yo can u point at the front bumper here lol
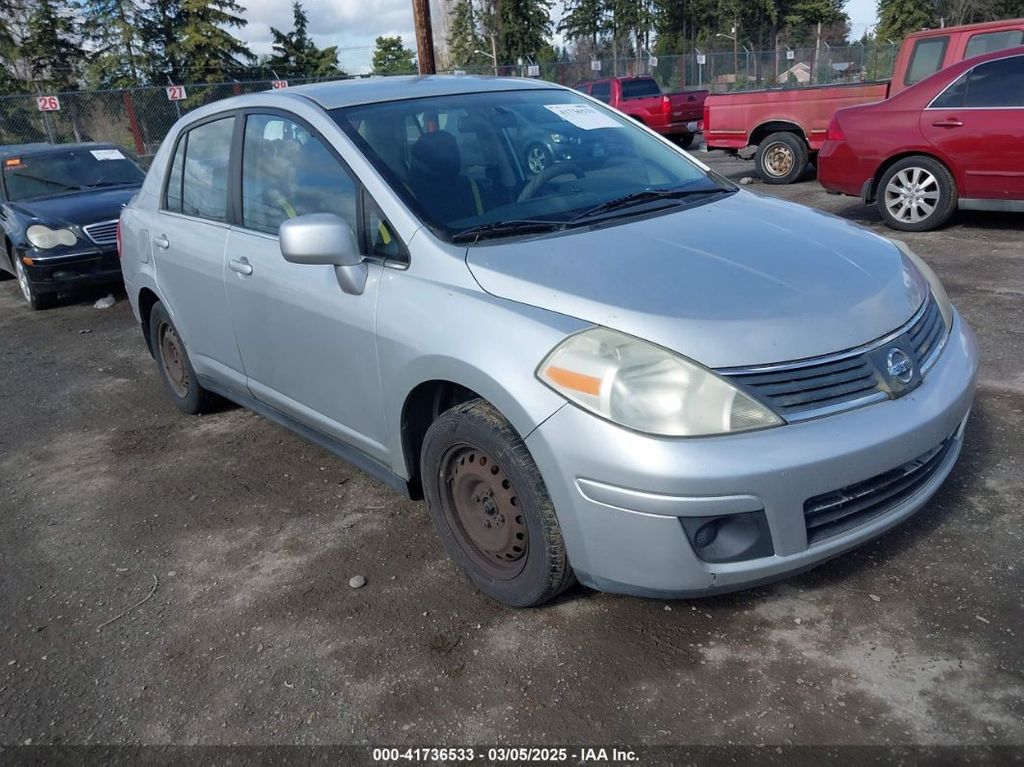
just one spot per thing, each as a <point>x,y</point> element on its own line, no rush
<point>69,271</point>
<point>620,496</point>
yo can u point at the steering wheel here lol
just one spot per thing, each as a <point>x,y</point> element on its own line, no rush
<point>548,174</point>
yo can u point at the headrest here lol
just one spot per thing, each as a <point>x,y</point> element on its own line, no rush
<point>437,154</point>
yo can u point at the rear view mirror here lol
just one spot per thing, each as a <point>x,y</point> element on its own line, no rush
<point>325,238</point>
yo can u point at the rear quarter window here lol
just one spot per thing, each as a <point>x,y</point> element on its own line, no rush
<point>986,42</point>
<point>926,59</point>
<point>638,89</point>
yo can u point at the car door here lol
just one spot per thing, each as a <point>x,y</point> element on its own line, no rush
<point>189,233</point>
<point>977,122</point>
<point>308,348</point>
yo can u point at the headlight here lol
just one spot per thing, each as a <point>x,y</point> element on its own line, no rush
<point>648,388</point>
<point>945,307</point>
<point>44,237</point>
<point>561,138</point>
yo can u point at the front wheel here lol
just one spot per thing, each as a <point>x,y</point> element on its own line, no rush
<point>491,508</point>
<point>781,158</point>
<point>30,292</point>
<point>916,194</point>
<point>537,158</point>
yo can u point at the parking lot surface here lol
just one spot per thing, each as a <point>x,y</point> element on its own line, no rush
<point>247,536</point>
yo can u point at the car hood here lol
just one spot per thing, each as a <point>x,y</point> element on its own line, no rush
<point>745,280</point>
<point>79,208</point>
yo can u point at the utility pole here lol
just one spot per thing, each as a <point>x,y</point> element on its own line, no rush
<point>424,37</point>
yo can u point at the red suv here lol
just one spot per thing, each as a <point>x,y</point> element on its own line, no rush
<point>955,139</point>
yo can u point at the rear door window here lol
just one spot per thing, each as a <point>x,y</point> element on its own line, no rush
<point>986,42</point>
<point>204,188</point>
<point>996,84</point>
<point>926,59</point>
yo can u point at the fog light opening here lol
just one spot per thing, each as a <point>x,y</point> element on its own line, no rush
<point>729,537</point>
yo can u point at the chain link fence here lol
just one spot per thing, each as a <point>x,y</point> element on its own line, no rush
<point>139,118</point>
<point>721,71</point>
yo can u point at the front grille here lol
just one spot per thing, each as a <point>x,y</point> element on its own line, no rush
<point>801,390</point>
<point>835,512</point>
<point>103,233</point>
<point>926,333</point>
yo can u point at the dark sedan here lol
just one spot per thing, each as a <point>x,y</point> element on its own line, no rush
<point>59,205</point>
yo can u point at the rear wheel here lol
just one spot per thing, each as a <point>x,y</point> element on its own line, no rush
<point>781,158</point>
<point>490,507</point>
<point>916,194</point>
<point>30,292</point>
<point>685,140</point>
<point>175,368</point>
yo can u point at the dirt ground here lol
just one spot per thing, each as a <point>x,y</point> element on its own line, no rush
<point>251,535</point>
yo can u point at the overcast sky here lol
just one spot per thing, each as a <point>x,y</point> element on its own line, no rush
<point>353,25</point>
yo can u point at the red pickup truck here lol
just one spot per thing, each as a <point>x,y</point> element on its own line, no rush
<point>787,126</point>
<point>671,114</point>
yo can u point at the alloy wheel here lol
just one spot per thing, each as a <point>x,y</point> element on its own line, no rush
<point>536,159</point>
<point>26,289</point>
<point>912,195</point>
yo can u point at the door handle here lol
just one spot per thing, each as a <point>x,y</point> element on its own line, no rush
<point>952,122</point>
<point>240,265</point>
<point>161,241</point>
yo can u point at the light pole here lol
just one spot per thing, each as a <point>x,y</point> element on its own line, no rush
<point>735,53</point>
<point>492,56</point>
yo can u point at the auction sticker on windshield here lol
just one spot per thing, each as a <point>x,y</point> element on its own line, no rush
<point>107,154</point>
<point>583,116</point>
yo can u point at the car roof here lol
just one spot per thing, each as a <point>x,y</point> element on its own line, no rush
<point>343,93</point>
<point>1005,24</point>
<point>23,150</point>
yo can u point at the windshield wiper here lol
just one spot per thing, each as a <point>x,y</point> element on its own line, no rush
<point>643,196</point>
<point>50,181</point>
<point>507,228</point>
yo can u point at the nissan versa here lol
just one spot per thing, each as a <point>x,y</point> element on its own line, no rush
<point>628,372</point>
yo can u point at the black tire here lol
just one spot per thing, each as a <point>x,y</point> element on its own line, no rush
<point>35,300</point>
<point>685,140</point>
<point>464,451</point>
<point>781,158</point>
<point>909,188</point>
<point>174,366</point>
<point>537,158</point>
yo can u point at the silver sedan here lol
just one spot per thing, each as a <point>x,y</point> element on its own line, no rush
<point>621,369</point>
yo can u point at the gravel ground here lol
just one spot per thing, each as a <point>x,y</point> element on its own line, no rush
<point>251,535</point>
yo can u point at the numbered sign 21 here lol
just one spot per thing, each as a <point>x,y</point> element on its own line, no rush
<point>48,103</point>
<point>176,93</point>
<point>278,84</point>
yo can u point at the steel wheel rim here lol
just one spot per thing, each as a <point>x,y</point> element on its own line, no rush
<point>172,357</point>
<point>536,159</point>
<point>482,510</point>
<point>26,289</point>
<point>912,195</point>
<point>779,160</point>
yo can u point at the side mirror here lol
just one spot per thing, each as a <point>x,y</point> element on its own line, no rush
<point>326,239</point>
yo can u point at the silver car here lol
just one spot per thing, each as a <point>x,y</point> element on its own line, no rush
<point>632,374</point>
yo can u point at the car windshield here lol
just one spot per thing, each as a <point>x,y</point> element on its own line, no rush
<point>52,173</point>
<point>511,162</point>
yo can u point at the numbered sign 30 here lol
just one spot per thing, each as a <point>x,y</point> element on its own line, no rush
<point>48,103</point>
<point>278,84</point>
<point>176,93</point>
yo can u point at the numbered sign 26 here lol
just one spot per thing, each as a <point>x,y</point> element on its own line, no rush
<point>48,103</point>
<point>176,93</point>
<point>278,84</point>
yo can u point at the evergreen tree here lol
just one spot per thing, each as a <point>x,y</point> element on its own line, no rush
<point>464,37</point>
<point>391,57</point>
<point>111,33</point>
<point>296,55</point>
<point>51,49</point>
<point>159,24</point>
<point>585,20</point>
<point>525,26</point>
<point>897,18</point>
<point>202,48</point>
